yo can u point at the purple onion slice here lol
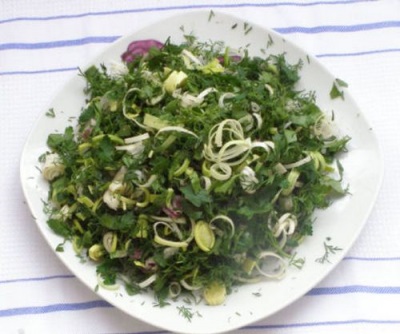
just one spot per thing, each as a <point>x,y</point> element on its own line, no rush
<point>140,48</point>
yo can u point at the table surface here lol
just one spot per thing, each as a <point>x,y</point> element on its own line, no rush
<point>41,45</point>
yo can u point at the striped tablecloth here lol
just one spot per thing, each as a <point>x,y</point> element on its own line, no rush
<point>41,45</point>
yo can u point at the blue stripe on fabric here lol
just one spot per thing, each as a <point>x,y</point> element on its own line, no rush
<point>184,7</point>
<point>58,44</point>
<point>322,323</point>
<point>62,307</point>
<point>371,259</point>
<point>339,28</point>
<point>297,325</point>
<point>35,279</point>
<point>323,55</point>
<point>50,70</point>
<point>54,308</point>
<point>355,54</point>
<point>287,30</point>
<point>111,39</point>
<point>314,292</point>
<point>340,290</point>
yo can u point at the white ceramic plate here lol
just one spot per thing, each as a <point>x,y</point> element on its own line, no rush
<point>341,223</point>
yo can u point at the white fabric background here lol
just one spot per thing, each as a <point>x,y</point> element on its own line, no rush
<point>359,41</point>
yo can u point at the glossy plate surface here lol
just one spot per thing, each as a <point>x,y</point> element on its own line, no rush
<point>341,223</point>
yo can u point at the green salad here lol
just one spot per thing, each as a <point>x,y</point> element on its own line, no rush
<point>192,169</point>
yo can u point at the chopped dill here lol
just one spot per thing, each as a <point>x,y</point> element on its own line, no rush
<point>179,159</point>
<point>328,251</point>
<point>270,41</point>
<point>297,262</point>
<point>211,15</point>
<point>50,113</point>
<point>185,312</point>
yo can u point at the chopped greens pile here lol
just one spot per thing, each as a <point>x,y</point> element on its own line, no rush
<point>192,169</point>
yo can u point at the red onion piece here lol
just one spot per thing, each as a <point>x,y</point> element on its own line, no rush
<point>140,48</point>
<point>234,58</point>
<point>175,210</point>
<point>172,213</point>
<point>137,254</point>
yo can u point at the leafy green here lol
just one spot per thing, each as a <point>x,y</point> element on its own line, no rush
<point>234,146</point>
<point>117,223</point>
<point>197,199</point>
<point>335,90</point>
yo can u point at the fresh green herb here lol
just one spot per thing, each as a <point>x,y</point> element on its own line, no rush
<point>341,83</point>
<point>270,41</point>
<point>185,312</point>
<point>328,250</point>
<point>60,247</point>
<point>211,15</point>
<point>297,262</point>
<point>247,28</point>
<point>50,113</point>
<point>161,303</point>
<point>335,90</point>
<point>191,168</point>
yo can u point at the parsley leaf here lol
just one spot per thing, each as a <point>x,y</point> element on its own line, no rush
<point>197,199</point>
<point>118,222</point>
<point>335,90</point>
